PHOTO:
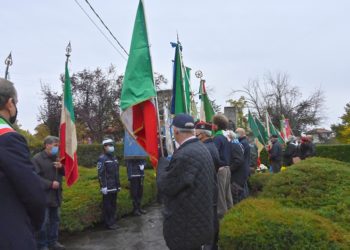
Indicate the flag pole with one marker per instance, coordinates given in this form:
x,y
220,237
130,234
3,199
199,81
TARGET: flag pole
x,y
68,51
158,118
8,63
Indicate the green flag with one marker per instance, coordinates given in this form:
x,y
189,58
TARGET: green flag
x,y
262,131
188,89
139,114
138,84
273,130
255,129
206,111
179,99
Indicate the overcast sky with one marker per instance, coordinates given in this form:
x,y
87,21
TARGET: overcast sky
x,y
230,41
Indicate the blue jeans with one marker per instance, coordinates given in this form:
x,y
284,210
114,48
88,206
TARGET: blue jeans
x,y
48,233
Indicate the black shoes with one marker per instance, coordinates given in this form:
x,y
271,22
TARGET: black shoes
x,y
136,213
113,227
142,211
57,246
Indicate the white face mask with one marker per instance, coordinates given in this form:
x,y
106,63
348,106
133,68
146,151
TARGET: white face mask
x,y
177,145
110,149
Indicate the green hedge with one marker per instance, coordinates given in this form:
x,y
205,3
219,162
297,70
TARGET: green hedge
x,y
257,182
318,184
340,152
81,206
88,154
265,224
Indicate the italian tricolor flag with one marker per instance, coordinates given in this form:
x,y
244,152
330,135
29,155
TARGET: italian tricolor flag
x,y
68,135
139,114
5,127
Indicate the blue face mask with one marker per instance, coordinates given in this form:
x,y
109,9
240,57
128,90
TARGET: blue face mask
x,y
110,149
54,150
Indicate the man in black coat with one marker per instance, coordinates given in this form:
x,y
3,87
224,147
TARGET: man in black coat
x,y
22,196
203,133
238,169
51,171
242,137
290,152
275,154
187,185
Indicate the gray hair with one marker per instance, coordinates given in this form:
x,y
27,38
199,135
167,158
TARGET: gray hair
x,y
185,130
206,132
50,139
7,91
232,135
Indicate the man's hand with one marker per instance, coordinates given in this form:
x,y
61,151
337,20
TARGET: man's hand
x,y
55,185
57,164
104,190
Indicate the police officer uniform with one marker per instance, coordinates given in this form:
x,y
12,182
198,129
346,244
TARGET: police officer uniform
x,y
135,168
108,175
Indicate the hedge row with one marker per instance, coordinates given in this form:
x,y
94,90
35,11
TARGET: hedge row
x,y
265,224
318,184
81,206
305,207
340,152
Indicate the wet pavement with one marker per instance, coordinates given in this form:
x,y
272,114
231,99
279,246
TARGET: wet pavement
x,y
135,233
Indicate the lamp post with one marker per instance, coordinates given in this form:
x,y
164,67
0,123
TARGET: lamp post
x,y
8,63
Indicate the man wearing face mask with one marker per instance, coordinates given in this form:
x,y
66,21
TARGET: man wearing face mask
x,y
108,175
51,171
22,196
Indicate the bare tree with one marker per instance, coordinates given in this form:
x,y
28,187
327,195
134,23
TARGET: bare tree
x,y
276,95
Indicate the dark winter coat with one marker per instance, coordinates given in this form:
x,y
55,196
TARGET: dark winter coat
x,y
306,150
45,169
214,153
290,152
275,152
108,172
224,148
239,174
243,140
22,196
133,168
187,184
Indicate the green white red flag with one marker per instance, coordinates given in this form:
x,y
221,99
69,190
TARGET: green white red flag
x,y
206,110
68,135
286,130
139,113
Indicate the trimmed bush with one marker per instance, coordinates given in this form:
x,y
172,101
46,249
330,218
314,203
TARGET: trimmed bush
x,y
265,224
81,206
88,154
257,182
264,157
318,184
339,152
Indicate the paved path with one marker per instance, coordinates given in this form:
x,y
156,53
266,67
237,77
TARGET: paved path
x,y
136,233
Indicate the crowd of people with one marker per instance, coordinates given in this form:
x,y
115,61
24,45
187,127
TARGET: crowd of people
x,y
31,188
205,176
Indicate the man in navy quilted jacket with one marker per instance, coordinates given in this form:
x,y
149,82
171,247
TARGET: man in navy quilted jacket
x,y
187,185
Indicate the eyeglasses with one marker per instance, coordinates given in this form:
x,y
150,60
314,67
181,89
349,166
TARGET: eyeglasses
x,y
197,135
109,144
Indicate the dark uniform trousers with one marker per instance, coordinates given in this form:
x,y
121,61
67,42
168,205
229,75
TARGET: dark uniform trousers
x,y
136,191
109,208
